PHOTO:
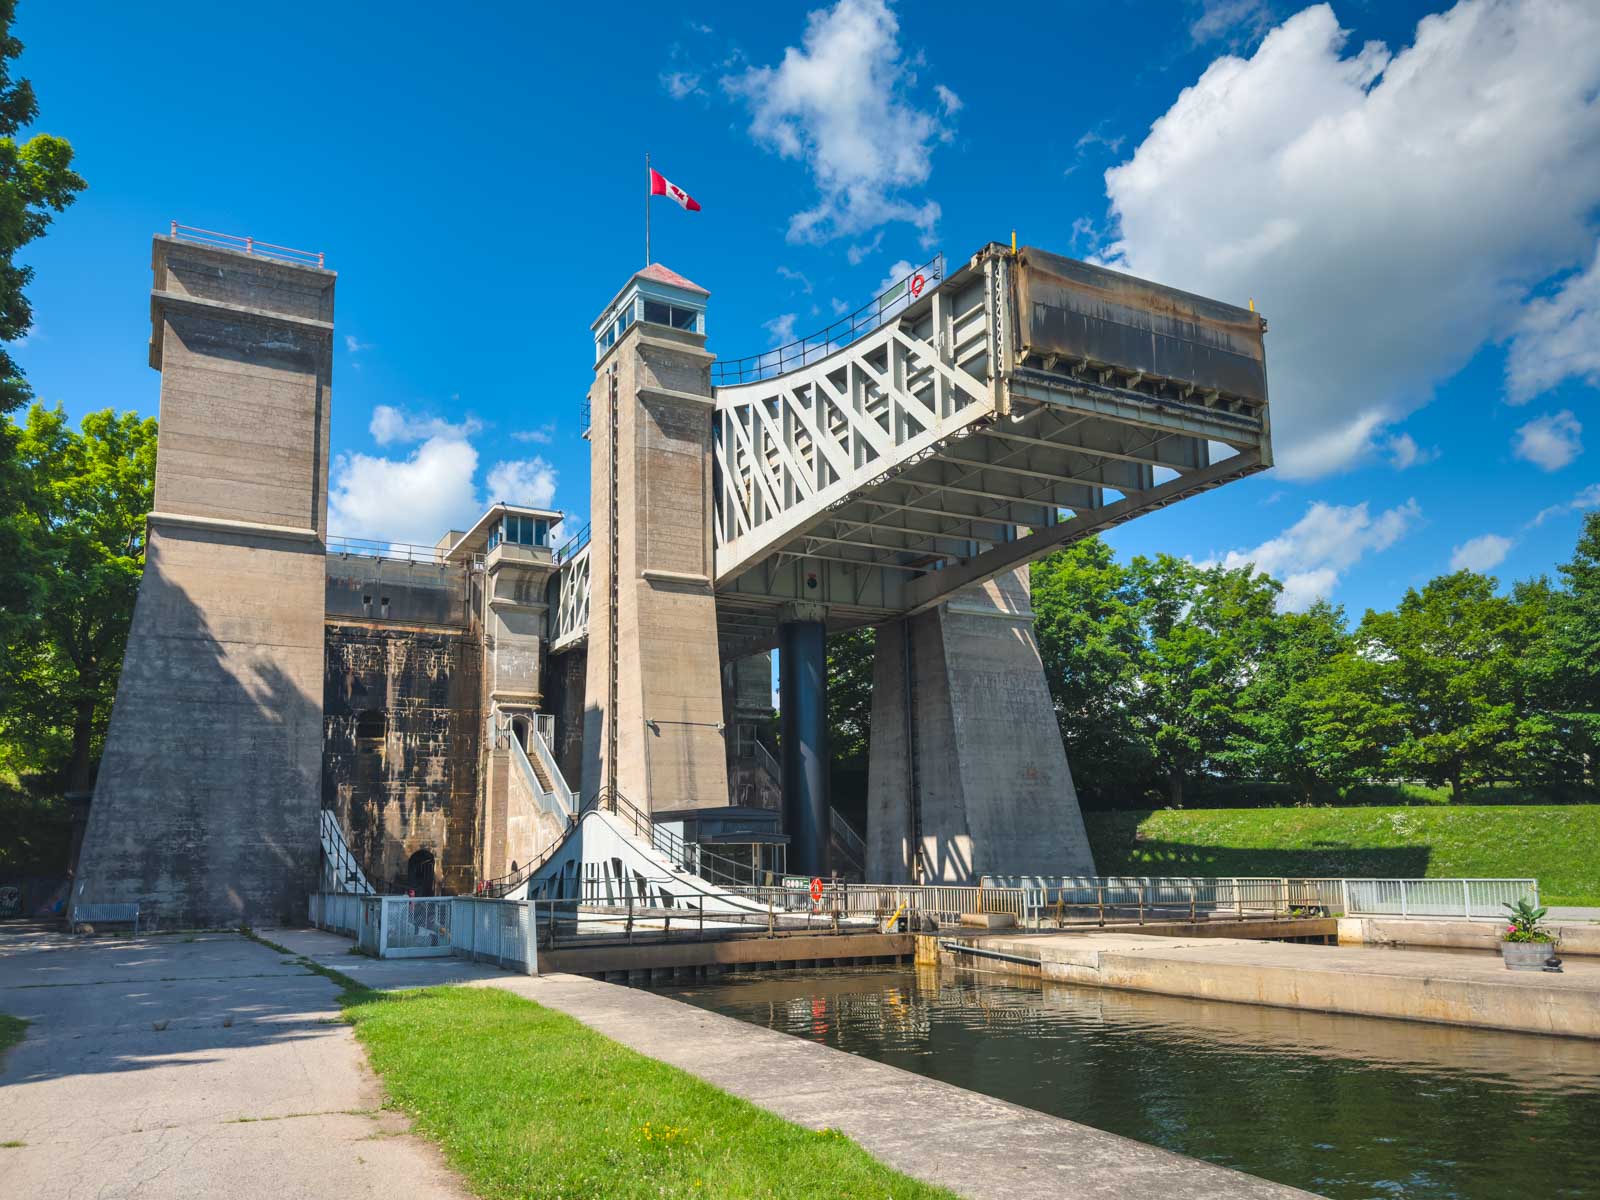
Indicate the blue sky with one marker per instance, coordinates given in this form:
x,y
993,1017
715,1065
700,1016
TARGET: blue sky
x,y
1414,207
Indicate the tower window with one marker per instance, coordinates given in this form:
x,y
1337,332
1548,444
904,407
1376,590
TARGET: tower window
x,y
371,727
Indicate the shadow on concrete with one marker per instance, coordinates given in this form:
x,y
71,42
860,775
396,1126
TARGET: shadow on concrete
x,y
120,1004
205,809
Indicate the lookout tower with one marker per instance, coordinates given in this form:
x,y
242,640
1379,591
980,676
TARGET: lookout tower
x,y
653,721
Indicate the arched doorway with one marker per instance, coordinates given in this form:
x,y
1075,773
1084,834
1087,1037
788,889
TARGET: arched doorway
x,y
521,729
419,873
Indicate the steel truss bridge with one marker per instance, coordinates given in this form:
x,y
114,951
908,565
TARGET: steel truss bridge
x,y
1020,403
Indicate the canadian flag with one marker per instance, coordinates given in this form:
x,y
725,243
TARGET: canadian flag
x,y
660,185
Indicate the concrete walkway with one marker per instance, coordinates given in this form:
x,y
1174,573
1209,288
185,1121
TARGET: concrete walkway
x,y
182,1067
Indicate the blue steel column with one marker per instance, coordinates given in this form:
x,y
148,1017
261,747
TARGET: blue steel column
x,y
803,709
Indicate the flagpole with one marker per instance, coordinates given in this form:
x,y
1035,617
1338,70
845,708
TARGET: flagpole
x,y
647,208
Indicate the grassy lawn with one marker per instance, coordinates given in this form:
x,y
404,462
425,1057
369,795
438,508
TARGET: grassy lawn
x,y
1557,844
528,1102
11,1031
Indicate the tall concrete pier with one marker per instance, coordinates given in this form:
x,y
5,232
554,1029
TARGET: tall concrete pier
x,y
967,772
653,725
206,807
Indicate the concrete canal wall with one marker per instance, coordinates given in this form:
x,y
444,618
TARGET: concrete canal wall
x,y
1412,985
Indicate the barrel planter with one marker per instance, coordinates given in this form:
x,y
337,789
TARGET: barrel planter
x,y
1527,956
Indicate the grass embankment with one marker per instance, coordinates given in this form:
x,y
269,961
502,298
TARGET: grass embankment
x,y
528,1102
11,1031
1557,845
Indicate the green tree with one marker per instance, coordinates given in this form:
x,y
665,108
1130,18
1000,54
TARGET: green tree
x,y
1573,650
1448,660
36,180
1281,734
1203,634
87,494
1086,619
850,657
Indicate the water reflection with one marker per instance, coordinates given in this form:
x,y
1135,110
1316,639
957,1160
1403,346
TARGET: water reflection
x,y
1346,1106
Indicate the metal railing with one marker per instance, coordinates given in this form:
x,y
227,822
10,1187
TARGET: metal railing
x,y
573,544
1469,899
248,245
342,870
497,931
753,367
349,547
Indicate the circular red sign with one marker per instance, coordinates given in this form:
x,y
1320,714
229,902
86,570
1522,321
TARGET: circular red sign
x,y
816,889
917,284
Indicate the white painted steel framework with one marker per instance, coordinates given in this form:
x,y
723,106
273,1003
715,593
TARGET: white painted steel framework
x,y
879,477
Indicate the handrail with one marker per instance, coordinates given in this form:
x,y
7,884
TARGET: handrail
x,y
374,548
562,792
552,802
846,833
908,289
766,759
343,865
233,241
573,544
708,864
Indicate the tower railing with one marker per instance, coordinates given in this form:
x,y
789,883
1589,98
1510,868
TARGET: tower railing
x,y
752,367
247,245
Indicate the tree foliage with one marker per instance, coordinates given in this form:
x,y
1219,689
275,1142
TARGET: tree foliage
x,y
81,521
1169,676
36,180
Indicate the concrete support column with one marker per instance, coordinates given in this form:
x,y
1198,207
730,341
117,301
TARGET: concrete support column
x,y
967,774
803,712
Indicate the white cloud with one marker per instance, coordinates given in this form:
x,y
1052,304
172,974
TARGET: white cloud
x,y
896,274
781,328
1229,19
948,100
858,254
841,104
1559,338
1482,553
390,424
1404,452
355,345
1549,442
1384,211
680,85
411,500
529,481
839,306
1586,499
796,277
542,436
1311,555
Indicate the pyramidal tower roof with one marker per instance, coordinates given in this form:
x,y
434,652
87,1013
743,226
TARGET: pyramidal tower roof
x,y
667,275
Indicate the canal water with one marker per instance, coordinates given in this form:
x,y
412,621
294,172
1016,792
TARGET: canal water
x,y
1350,1107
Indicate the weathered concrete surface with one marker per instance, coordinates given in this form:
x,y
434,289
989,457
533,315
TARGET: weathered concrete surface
x,y
1415,985
970,1143
1576,938
988,788
251,1089
790,949
209,787
400,751
668,720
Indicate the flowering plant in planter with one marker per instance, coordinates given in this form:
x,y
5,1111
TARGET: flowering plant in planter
x,y
1524,926
1526,945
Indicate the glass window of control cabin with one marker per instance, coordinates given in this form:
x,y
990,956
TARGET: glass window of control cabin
x,y
675,315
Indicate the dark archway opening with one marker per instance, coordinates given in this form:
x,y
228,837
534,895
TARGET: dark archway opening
x,y
419,873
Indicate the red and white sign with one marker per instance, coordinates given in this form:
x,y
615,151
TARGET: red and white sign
x,y
660,185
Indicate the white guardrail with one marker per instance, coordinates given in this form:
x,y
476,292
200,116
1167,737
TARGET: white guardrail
x,y
494,931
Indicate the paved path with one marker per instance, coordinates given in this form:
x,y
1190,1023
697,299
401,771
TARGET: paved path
x,y
175,1067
